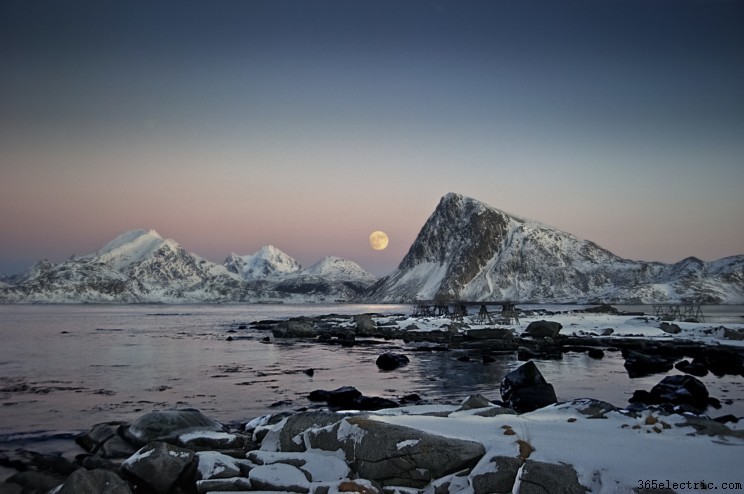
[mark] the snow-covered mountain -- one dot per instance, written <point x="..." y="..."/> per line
<point x="140" y="266"/>
<point x="470" y="251"/>
<point x="269" y="262"/>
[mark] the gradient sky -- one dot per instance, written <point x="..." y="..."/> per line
<point x="228" y="125"/>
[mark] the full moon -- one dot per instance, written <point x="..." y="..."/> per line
<point x="378" y="240"/>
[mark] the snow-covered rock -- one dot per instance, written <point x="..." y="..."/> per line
<point x="468" y="250"/>
<point x="269" y="262"/>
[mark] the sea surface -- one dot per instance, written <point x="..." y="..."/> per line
<point x="64" y="368"/>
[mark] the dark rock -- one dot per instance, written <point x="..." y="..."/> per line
<point x="487" y="359"/>
<point x="463" y="358"/>
<point x="733" y="334"/>
<point x="34" y="482"/>
<point x="723" y="362"/>
<point x="343" y="397"/>
<point x="374" y="403"/>
<point x="97" y="481"/>
<point x="602" y="309"/>
<point x="725" y="419"/>
<point x="116" y="447"/>
<point x="158" y="465"/>
<point x="680" y="391"/>
<point x="538" y="478"/>
<point x="543" y="329"/>
<point x="167" y="425"/>
<point x="695" y="368"/>
<point x="310" y="372"/>
<point x="242" y="326"/>
<point x="391" y="361"/>
<point x="525" y="389"/>
<point x="497" y="474"/>
<point x="640" y="364"/>
<point x="595" y="353"/>
<point x="670" y="328"/>
<point x="410" y="398"/>
<point x="99" y="434"/>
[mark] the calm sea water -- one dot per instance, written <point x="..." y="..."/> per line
<point x="64" y="368"/>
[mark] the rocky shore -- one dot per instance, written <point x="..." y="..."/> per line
<point x="522" y="440"/>
<point x="525" y="442"/>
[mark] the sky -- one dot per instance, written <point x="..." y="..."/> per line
<point x="229" y="125"/>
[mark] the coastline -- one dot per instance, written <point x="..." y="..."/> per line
<point x="562" y="424"/>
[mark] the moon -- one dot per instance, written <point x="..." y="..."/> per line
<point x="378" y="240"/>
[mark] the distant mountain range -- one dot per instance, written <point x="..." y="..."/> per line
<point x="142" y="267"/>
<point x="465" y="251"/>
<point x="470" y="251"/>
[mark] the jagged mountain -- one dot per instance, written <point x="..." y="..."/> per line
<point x="470" y="251"/>
<point x="269" y="262"/>
<point x="140" y="266"/>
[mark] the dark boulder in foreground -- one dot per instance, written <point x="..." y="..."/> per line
<point x="525" y="389"/>
<point x="391" y="361"/>
<point x="685" y="391"/>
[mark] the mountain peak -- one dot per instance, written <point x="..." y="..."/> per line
<point x="267" y="262"/>
<point x="338" y="267"/>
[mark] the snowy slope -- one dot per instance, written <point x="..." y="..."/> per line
<point x="470" y="251"/>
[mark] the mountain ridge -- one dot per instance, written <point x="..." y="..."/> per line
<point x="140" y="266"/>
<point x="468" y="250"/>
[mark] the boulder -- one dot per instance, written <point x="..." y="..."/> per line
<point x="525" y="389"/>
<point x="543" y="329"/>
<point x="391" y="361"/>
<point x="595" y="353"/>
<point x="279" y="477"/>
<point x="349" y="398"/>
<point x="343" y="397"/>
<point x="681" y="390"/>
<point x="395" y="455"/>
<point x="158" y="465"/>
<point x="168" y="425"/>
<point x="695" y="368"/>
<point x="35" y="482"/>
<point x="290" y="435"/>
<point x="97" y="481"/>
<point x="538" y="478"/>
<point x="234" y="484"/>
<point x="496" y="474"/>
<point x="639" y="364"/>
<point x="670" y="328"/>
<point x="214" y="465"/>
<point x="98" y="434"/>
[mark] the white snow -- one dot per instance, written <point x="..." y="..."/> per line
<point x="610" y="455"/>
<point x="322" y="466"/>
<point x="140" y="454"/>
<point x="407" y="443"/>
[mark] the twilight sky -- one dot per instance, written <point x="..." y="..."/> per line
<point x="228" y="125"/>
